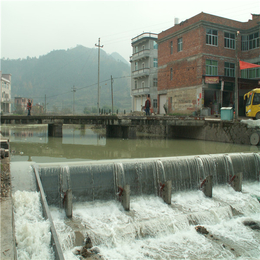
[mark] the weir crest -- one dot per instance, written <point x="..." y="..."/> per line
<point x="100" y="180"/>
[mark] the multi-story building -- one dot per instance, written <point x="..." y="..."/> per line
<point x="5" y="93"/>
<point x="20" y="104"/>
<point x="197" y="62"/>
<point x="144" y="65"/>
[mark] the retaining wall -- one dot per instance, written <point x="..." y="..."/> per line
<point x="218" y="131"/>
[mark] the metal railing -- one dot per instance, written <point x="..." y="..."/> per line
<point x="144" y="35"/>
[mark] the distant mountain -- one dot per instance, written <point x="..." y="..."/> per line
<point x="118" y="57"/>
<point x="55" y="74"/>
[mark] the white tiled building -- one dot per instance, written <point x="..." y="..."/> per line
<point x="5" y="93"/>
<point x="144" y="66"/>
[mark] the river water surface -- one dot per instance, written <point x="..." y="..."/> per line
<point x="33" y="144"/>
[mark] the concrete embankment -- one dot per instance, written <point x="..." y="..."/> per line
<point x="237" y="132"/>
<point x="8" y="249"/>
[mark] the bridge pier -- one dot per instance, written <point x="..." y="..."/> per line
<point x="55" y="130"/>
<point x="121" y="131"/>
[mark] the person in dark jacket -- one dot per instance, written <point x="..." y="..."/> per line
<point x="29" y="107"/>
<point x="147" y="105"/>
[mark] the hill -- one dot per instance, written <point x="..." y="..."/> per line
<point x="55" y="74"/>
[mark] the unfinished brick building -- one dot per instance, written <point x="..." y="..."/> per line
<point x="197" y="64"/>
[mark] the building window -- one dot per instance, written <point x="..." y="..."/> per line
<point x="143" y="47"/>
<point x="212" y="37"/>
<point x="135" y="84"/>
<point x="136" y="65"/>
<point x="136" y="49"/>
<point x="211" y="67"/>
<point x="253" y="73"/>
<point x="171" y="74"/>
<point x="143" y="65"/>
<point x="171" y="47"/>
<point x="155" y="103"/>
<point x="155" y="82"/>
<point x="155" y="62"/>
<point x="249" y="42"/>
<point x="254" y="41"/>
<point x="229" y="40"/>
<point x="244" y="42"/>
<point x="142" y="84"/>
<point x="229" y="69"/>
<point x="179" y="44"/>
<point x="155" y="45"/>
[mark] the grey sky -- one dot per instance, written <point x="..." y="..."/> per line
<point x="34" y="28"/>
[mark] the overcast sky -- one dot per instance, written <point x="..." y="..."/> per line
<point x="34" y="28"/>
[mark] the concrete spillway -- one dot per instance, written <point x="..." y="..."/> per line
<point x="100" y="180"/>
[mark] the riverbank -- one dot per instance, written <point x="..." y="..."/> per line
<point x="8" y="250"/>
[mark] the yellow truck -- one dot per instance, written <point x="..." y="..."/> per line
<point x="253" y="103"/>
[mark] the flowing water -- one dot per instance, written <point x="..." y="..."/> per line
<point x="151" y="229"/>
<point x="154" y="230"/>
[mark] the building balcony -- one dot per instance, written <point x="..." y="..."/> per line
<point x="141" y="73"/>
<point x="145" y="35"/>
<point x="6" y="100"/>
<point x="143" y="54"/>
<point x="140" y="91"/>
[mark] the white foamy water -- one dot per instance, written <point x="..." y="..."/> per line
<point x="32" y="232"/>
<point x="155" y="230"/>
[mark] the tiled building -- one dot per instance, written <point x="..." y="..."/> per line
<point x="197" y="61"/>
<point x="20" y="104"/>
<point x="5" y="93"/>
<point x="144" y="65"/>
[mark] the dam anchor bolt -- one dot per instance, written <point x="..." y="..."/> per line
<point x="165" y="192"/>
<point x="236" y="181"/>
<point x="206" y="186"/>
<point x="124" y="196"/>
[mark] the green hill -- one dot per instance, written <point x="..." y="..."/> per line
<point x="55" y="74"/>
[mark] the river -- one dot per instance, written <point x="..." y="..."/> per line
<point x="151" y="229"/>
<point x="32" y="143"/>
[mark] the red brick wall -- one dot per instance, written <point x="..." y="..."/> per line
<point x="189" y="64"/>
<point x="211" y="18"/>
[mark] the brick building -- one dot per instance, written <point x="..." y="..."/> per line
<point x="197" y="63"/>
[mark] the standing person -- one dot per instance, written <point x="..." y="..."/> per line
<point x="29" y="107"/>
<point x="147" y="105"/>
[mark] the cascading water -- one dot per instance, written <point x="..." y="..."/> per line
<point x="100" y="180"/>
<point x="155" y="230"/>
<point x="32" y="231"/>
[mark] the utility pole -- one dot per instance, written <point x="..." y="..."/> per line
<point x="45" y="108"/>
<point x="73" y="90"/>
<point x="112" y="94"/>
<point x="236" y="80"/>
<point x="99" y="46"/>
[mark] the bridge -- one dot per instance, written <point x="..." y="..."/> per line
<point x="123" y="126"/>
<point x="126" y="126"/>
